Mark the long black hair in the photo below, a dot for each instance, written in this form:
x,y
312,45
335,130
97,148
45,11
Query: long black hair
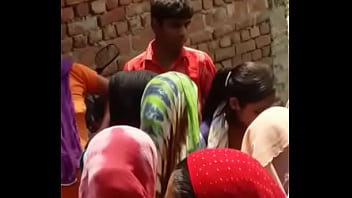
x,y
182,183
248,82
125,93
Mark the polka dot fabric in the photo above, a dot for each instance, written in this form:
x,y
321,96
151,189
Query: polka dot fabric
x,y
229,173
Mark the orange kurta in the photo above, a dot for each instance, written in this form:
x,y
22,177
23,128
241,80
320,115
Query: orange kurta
x,y
82,80
71,191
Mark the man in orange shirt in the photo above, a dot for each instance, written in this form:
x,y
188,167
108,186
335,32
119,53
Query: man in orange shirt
x,y
170,21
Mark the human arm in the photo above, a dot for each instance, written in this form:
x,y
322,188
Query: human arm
x,y
93,83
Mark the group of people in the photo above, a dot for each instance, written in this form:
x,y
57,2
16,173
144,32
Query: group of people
x,y
172,125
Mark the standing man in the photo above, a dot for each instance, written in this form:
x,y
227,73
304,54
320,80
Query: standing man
x,y
170,20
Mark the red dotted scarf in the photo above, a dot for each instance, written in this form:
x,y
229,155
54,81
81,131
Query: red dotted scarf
x,y
229,173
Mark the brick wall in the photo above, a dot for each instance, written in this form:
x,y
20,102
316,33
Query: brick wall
x,y
88,25
230,31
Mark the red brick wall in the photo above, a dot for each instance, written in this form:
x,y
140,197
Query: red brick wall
x,y
230,31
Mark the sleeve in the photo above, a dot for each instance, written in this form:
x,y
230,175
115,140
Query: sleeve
x,y
87,76
206,75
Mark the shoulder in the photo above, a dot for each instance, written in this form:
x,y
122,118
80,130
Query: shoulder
x,y
204,60
135,62
202,56
81,69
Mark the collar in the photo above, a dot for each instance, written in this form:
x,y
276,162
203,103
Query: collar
x,y
149,53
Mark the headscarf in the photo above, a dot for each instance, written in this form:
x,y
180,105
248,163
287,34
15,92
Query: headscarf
x,y
120,161
70,143
266,138
218,132
169,115
229,173
125,92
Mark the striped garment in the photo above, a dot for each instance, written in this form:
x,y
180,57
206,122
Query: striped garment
x,y
169,114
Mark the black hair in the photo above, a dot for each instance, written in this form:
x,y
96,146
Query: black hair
x,y
182,184
166,9
95,110
248,82
125,94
